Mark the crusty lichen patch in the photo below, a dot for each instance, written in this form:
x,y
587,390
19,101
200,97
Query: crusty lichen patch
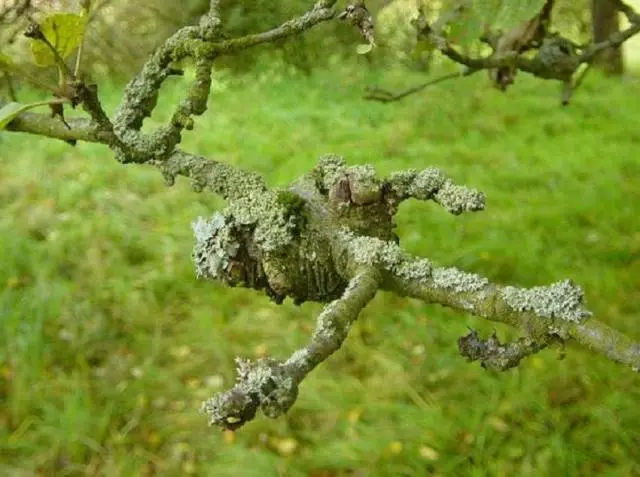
x,y
420,185
215,245
273,229
559,300
262,383
458,281
372,251
432,184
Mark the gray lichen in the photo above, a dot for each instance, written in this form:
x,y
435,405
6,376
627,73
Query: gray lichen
x,y
365,187
415,270
298,359
432,184
457,199
261,384
420,185
458,281
372,251
328,328
272,229
214,246
559,300
331,168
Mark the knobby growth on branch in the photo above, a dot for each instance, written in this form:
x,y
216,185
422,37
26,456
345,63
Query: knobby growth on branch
x,y
531,46
328,237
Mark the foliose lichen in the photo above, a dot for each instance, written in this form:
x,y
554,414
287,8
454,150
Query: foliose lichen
x,y
273,228
364,186
330,168
415,270
458,281
562,300
215,245
388,255
417,184
457,199
430,184
261,382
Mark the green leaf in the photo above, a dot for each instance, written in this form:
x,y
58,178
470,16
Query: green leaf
x,y
5,62
64,31
422,49
364,48
466,24
10,110
467,20
512,14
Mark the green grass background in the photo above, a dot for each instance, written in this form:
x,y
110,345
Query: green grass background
x,y
108,343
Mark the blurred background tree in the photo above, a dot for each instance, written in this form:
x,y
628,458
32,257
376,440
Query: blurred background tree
x,y
606,20
123,33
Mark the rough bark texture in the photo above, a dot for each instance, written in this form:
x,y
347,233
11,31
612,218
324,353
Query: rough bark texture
x,y
606,22
328,237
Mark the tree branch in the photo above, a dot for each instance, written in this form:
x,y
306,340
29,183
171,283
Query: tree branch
x,y
346,239
557,58
329,237
272,385
540,312
375,93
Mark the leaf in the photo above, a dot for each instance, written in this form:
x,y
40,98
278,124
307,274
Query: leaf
x,y
6,63
512,14
64,31
467,29
464,21
467,20
422,49
10,110
364,48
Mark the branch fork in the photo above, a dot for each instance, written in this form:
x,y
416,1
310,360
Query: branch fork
x,y
328,237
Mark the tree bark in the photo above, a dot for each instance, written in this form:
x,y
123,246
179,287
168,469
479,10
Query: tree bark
x,y
606,21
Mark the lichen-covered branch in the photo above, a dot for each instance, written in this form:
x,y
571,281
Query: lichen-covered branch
x,y
329,236
555,58
431,184
495,355
272,385
204,43
541,313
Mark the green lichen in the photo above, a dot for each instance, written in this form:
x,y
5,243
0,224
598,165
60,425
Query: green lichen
x,y
293,208
561,300
292,202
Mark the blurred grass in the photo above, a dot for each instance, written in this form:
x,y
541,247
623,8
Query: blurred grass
x,y
108,343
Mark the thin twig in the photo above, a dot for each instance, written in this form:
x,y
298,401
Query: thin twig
x,y
378,94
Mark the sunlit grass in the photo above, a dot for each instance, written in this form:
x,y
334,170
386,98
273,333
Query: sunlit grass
x,y
108,343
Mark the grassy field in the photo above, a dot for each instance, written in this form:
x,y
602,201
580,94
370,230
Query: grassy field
x,y
108,343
